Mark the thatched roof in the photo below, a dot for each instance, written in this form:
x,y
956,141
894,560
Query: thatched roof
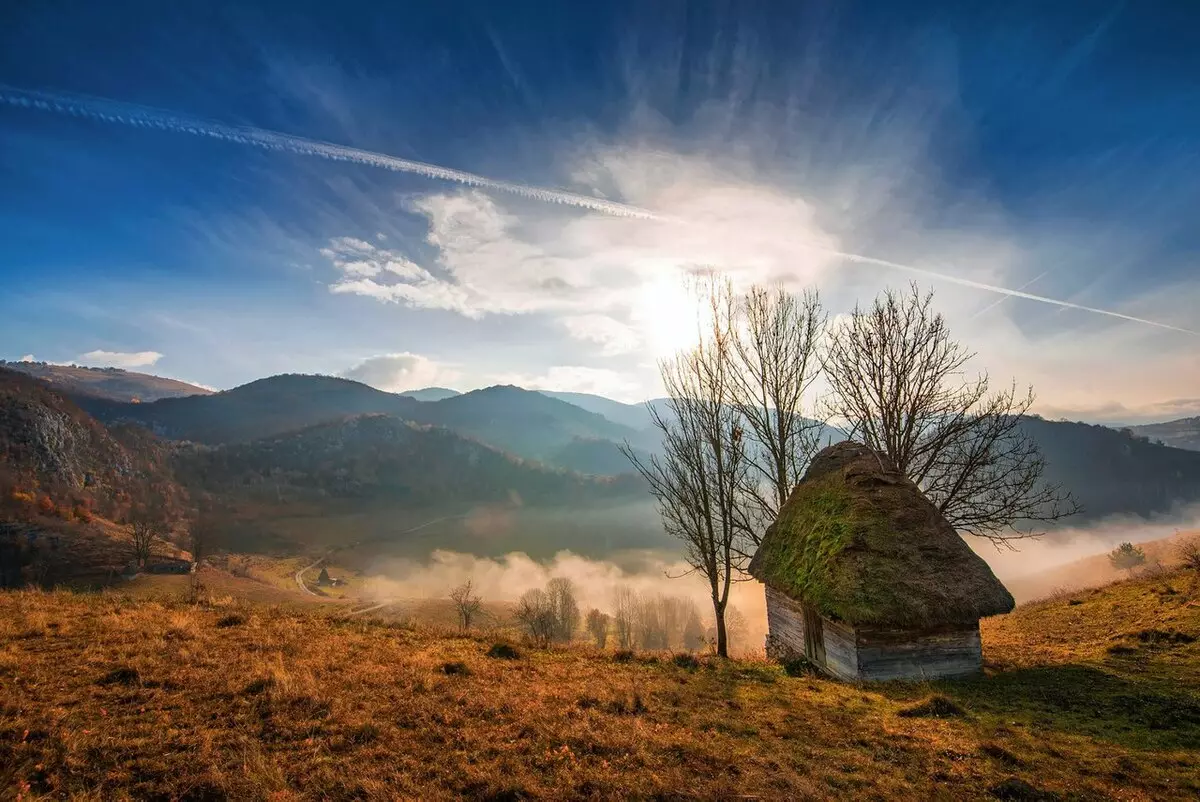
x,y
858,541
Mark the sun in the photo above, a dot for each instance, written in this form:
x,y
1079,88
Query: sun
x,y
668,314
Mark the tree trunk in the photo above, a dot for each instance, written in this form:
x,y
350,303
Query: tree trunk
x,y
722,637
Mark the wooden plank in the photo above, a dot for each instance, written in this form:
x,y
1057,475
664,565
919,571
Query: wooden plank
x,y
901,654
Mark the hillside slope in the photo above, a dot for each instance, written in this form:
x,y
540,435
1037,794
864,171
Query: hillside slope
x,y
162,699
51,449
1111,472
112,384
1182,433
382,458
263,408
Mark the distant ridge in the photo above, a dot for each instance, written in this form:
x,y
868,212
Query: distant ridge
x,y
111,384
1182,433
431,393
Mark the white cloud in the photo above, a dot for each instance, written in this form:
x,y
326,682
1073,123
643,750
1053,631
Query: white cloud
x,y
119,359
27,358
399,372
614,282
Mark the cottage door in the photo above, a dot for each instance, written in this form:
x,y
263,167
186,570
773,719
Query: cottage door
x,y
814,636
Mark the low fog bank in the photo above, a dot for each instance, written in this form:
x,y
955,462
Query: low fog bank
x,y
1064,558
1076,557
647,573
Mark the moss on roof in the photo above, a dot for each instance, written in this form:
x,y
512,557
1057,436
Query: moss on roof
x,y
859,542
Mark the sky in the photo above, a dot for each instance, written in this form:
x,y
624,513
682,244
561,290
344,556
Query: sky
x,y
1050,149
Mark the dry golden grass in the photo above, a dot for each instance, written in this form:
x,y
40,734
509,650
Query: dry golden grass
x,y
107,697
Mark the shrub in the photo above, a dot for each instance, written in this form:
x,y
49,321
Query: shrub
x,y
231,620
122,675
455,668
686,660
623,655
45,505
503,651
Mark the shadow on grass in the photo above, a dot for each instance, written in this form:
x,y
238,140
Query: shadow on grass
x,y
1083,700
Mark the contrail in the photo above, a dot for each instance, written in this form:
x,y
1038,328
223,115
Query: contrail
x,y
147,117
999,301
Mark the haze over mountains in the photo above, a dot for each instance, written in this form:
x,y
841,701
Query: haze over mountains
x,y
326,444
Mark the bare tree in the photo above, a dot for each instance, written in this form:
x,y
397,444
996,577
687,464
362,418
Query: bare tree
x,y
701,477
536,615
1189,553
467,603
897,380
651,626
597,626
560,592
624,615
775,336
147,523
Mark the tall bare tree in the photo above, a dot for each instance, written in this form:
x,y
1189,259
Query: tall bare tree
x,y
701,476
467,603
775,339
561,593
624,615
897,379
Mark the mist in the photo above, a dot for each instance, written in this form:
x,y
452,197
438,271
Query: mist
x,y
1064,558
505,578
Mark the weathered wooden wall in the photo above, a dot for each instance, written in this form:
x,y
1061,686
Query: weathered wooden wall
x,y
871,653
906,654
785,627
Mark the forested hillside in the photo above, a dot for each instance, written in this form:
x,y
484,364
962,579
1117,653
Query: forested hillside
x,y
1182,433
382,458
1112,472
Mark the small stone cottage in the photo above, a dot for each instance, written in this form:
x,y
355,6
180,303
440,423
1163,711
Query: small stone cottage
x,y
867,580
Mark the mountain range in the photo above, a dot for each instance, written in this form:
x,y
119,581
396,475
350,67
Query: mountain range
x,y
322,442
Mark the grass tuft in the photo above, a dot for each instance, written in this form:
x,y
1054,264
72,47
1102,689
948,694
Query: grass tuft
x,y
936,706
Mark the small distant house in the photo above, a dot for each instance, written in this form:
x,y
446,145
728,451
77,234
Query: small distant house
x,y
867,580
169,565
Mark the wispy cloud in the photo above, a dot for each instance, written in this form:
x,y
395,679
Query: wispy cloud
x,y
119,359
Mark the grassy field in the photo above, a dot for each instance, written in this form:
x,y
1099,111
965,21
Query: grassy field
x,y
1091,696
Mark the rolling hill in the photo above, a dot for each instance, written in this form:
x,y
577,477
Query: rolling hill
x,y
380,458
525,423
262,408
431,393
112,384
1182,433
1092,697
1111,472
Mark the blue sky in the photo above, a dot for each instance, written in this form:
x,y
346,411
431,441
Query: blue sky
x,y
1051,147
